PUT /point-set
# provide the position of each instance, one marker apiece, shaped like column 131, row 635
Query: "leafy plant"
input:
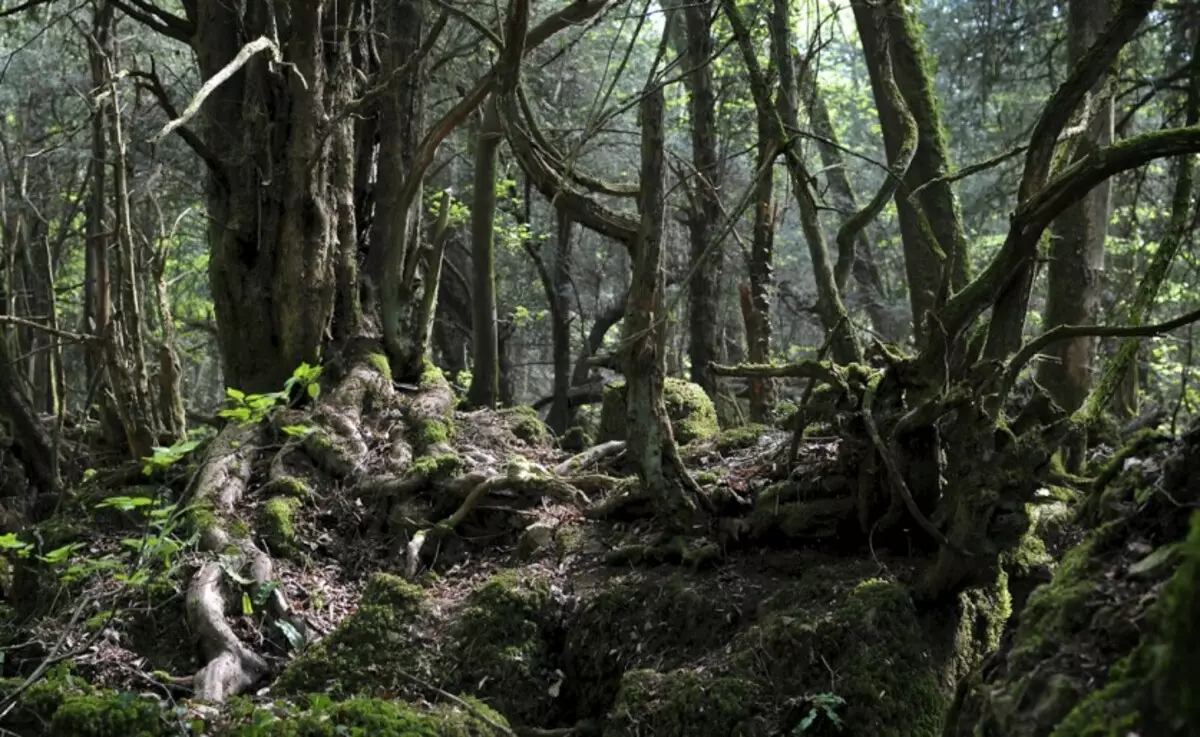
column 250, row 409
column 821, row 705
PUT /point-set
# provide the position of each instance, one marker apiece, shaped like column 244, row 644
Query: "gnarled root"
column 232, row 667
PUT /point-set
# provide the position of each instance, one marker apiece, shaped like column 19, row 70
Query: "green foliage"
column 164, row 458
column 250, row 409
column 368, row 717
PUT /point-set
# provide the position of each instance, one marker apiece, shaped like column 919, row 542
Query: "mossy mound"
column 1107, row 648
column 840, row 651
column 502, row 649
column 740, row 438
column 373, row 650
column 641, row 620
column 375, row 717
column 526, row 425
column 690, row 410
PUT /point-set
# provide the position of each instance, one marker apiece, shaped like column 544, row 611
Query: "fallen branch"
column 56, row 332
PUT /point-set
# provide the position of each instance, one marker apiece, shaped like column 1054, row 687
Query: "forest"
column 599, row 368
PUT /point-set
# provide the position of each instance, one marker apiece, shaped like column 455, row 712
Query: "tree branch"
column 260, row 44
column 153, row 84
column 1066, row 332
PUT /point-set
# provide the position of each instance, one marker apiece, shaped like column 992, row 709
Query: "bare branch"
column 168, row 24
column 153, row 84
column 260, row 44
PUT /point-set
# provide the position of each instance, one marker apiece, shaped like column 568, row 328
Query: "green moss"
column 691, row 412
column 381, row 364
column 503, row 653
column 707, row 478
column 682, row 703
column 110, row 715
column 739, row 438
column 370, row 649
column 375, row 717
column 431, row 374
column 437, row 466
column 527, row 425
column 867, row 632
column 278, row 525
column 674, row 618
column 291, row 486
column 431, row 432
column 576, row 439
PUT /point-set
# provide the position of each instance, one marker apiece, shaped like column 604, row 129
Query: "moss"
column 1153, row 689
column 576, row 439
column 431, row 432
column 381, row 364
column 441, row 465
column 691, row 412
column 502, row 645
column 431, row 375
column 707, row 478
column 369, row 649
column 277, row 520
column 368, row 716
column 527, row 425
column 638, row 621
column 739, row 438
column 867, row 633
column 110, row 715
column 682, row 703
column 290, row 486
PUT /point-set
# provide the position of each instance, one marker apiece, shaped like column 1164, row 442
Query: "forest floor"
column 533, row 616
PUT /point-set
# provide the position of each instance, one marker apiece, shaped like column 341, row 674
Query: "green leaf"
column 294, row 638
column 125, row 503
column 234, row 394
column 247, row 606
column 314, row 390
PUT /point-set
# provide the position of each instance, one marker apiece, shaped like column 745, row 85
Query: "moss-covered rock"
column 111, row 715
column 690, row 410
column 374, row 717
column 288, row 486
column 640, row 620
column 683, row 703
column 502, row 648
column 278, row 525
column 525, row 423
column 867, row 633
column 740, row 438
column 368, row 651
column 576, row 439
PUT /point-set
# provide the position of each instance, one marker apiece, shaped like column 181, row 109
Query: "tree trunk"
column 277, row 203
column 485, row 373
column 560, row 415
column 858, row 263
column 1077, row 236
column 651, row 443
column 705, row 212
column 931, row 228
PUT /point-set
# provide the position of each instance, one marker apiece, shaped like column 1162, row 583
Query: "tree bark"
column 560, row 415
column 651, row 442
column 1078, row 235
column 485, row 374
column 704, row 214
column 931, row 227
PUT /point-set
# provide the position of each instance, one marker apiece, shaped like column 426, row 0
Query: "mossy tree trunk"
column 559, row 418
column 485, row 374
column 858, row 262
column 761, row 267
column 931, row 226
column 1076, row 262
column 651, row 442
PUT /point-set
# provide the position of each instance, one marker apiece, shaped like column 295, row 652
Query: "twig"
column 57, row 332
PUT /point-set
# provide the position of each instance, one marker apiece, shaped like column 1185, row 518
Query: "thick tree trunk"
column 1078, row 235
column 705, row 212
column 485, row 373
column 931, row 228
column 278, row 206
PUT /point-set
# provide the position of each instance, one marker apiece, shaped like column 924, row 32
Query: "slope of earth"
column 1108, row 648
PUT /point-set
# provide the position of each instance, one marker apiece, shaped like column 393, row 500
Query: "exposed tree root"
column 591, row 457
